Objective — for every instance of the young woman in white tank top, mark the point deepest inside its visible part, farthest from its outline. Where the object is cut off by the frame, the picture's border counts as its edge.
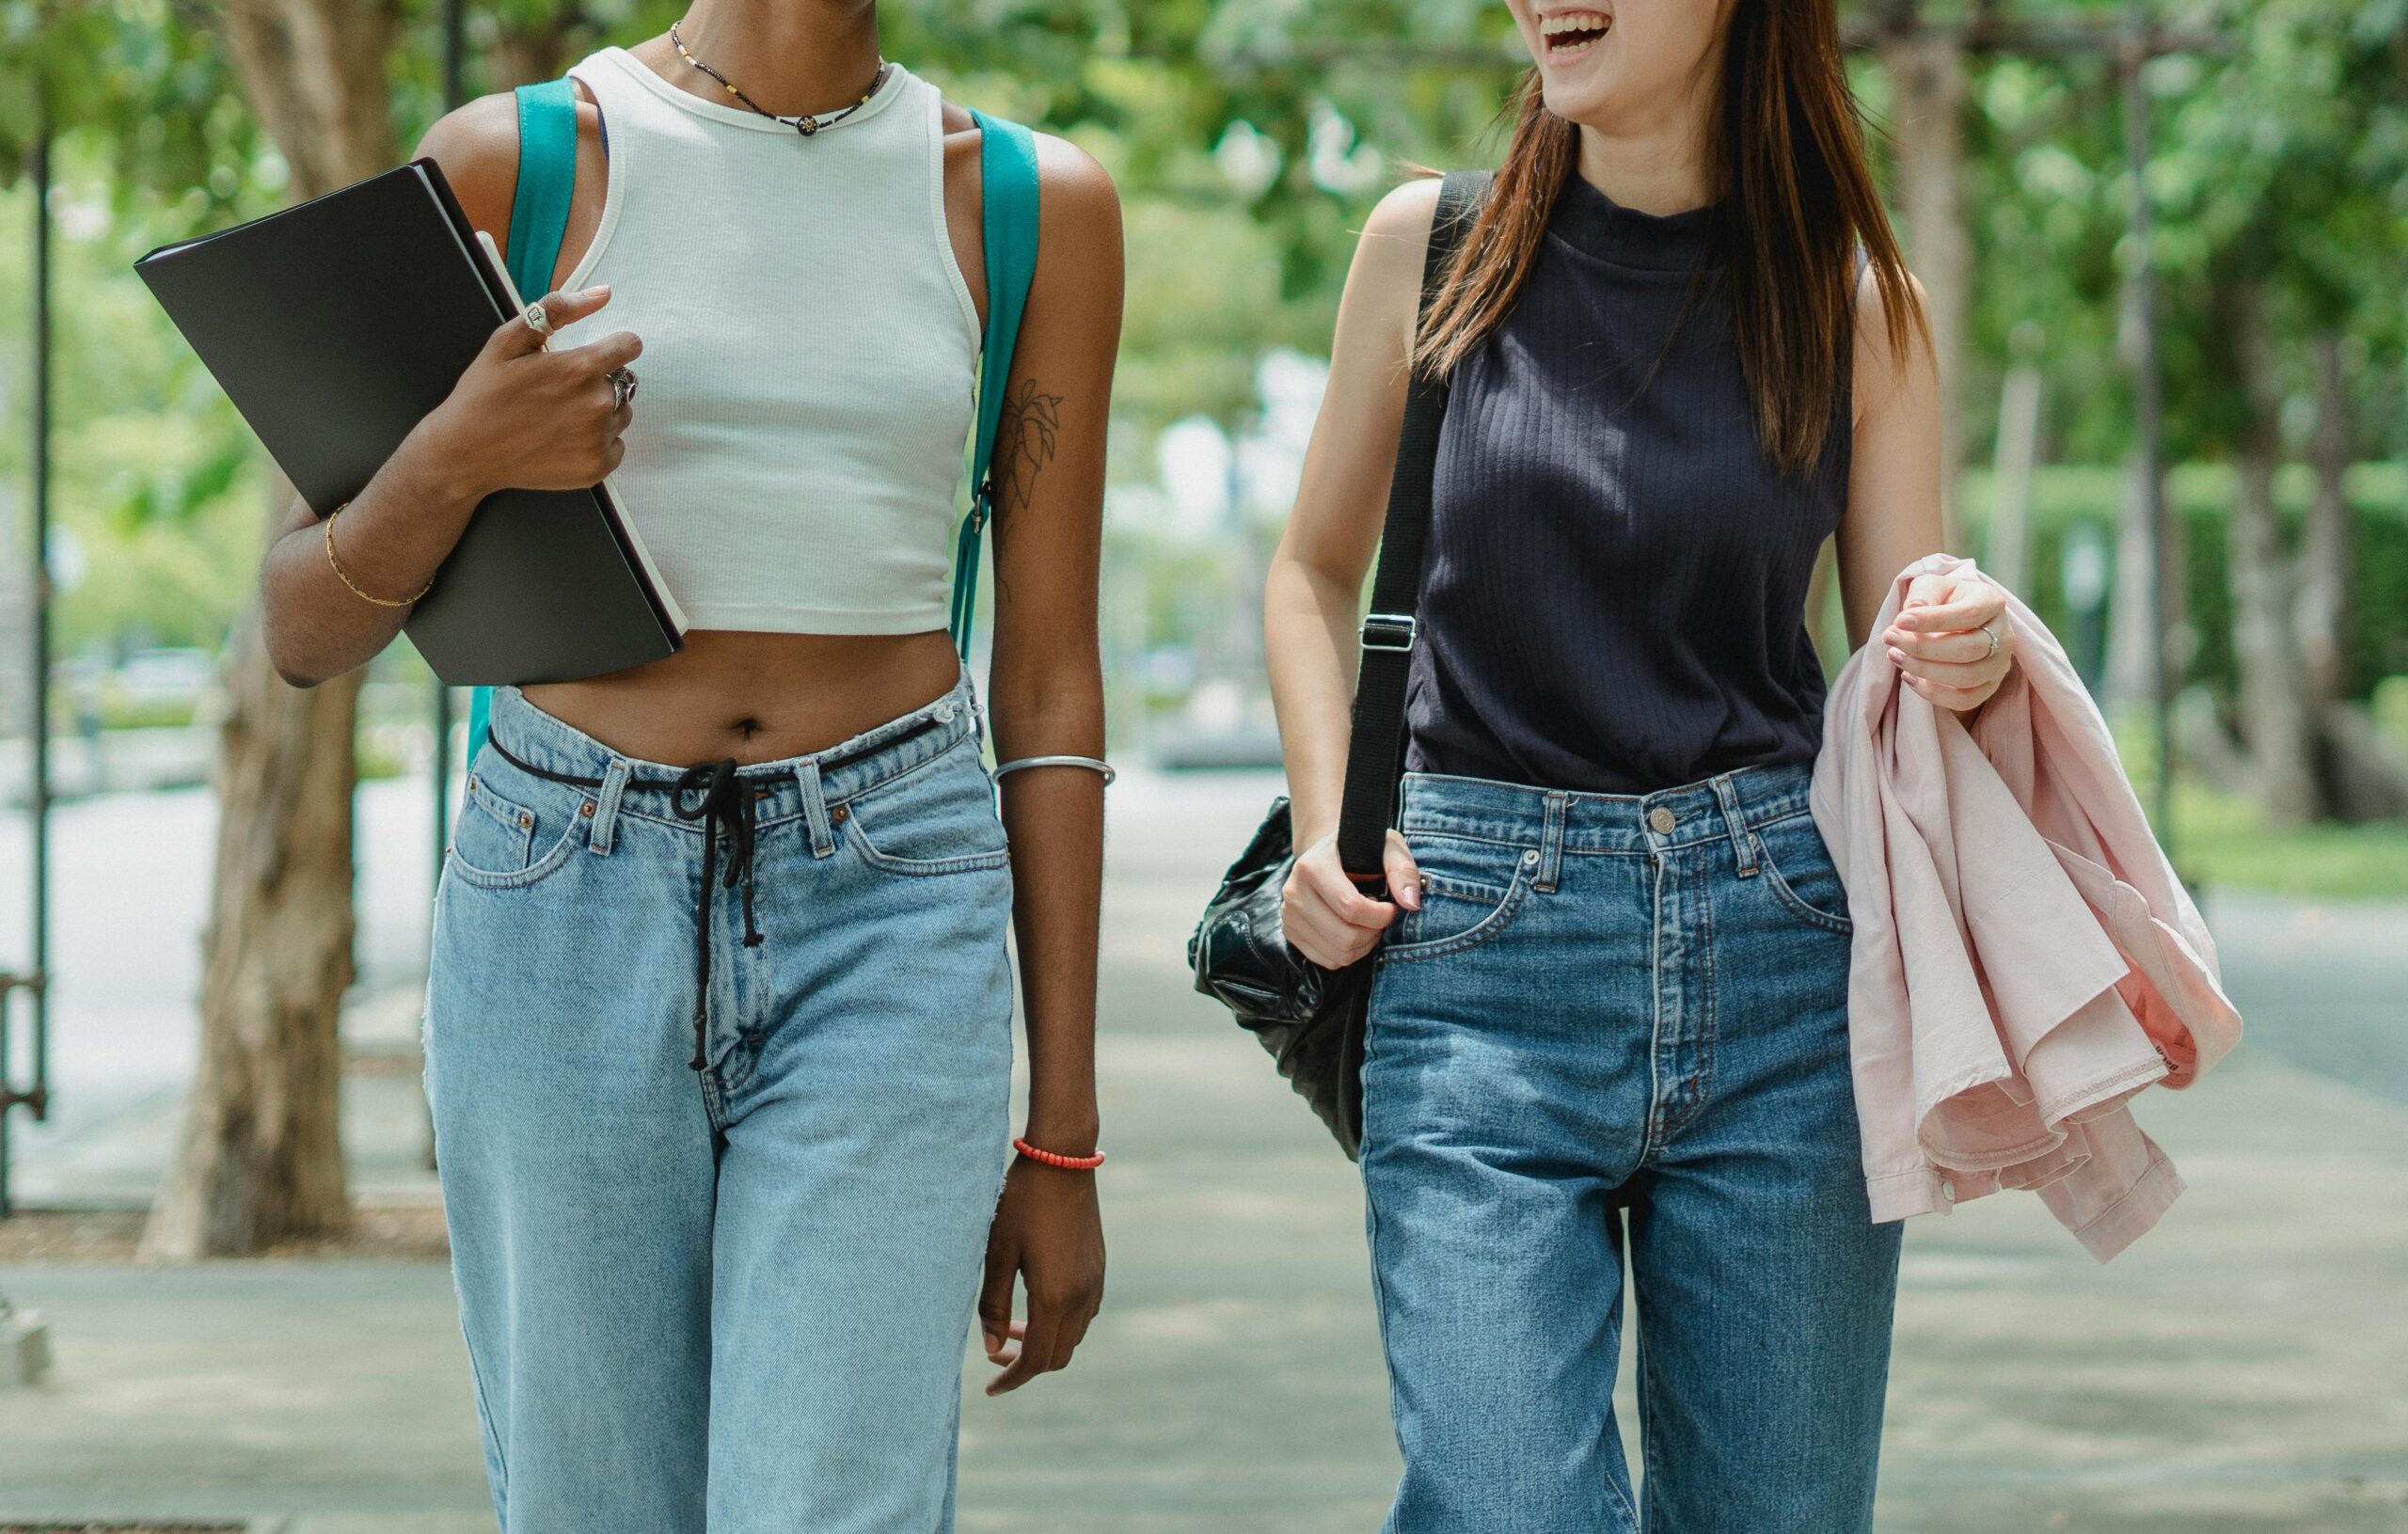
(719, 1013)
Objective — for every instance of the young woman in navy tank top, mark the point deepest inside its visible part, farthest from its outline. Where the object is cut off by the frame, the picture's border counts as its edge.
(720, 1007)
(1608, 1024)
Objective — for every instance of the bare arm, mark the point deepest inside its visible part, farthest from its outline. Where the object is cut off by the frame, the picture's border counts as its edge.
(1047, 700)
(519, 416)
(1313, 596)
(1892, 519)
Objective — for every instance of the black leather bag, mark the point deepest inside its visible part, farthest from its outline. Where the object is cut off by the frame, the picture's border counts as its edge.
(1310, 1018)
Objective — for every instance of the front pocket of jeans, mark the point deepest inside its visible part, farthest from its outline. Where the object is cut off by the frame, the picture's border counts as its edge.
(1814, 869)
(493, 846)
(1471, 891)
(937, 819)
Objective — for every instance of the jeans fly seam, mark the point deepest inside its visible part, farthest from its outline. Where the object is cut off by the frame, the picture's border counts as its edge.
(714, 1100)
(1703, 1031)
(1647, 1143)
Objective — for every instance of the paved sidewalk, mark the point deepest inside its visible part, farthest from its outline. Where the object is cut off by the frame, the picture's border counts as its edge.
(2243, 1370)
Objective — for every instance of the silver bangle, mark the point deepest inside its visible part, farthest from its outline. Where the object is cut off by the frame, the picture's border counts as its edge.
(1091, 763)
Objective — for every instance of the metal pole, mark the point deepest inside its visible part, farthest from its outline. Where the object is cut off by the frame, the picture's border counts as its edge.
(453, 30)
(36, 1096)
(2148, 410)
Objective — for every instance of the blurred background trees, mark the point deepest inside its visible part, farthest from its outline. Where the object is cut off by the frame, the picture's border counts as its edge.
(1249, 138)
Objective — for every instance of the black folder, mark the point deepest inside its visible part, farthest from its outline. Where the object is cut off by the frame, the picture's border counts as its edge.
(335, 325)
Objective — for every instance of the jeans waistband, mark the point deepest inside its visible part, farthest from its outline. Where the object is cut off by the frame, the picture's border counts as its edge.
(1723, 805)
(780, 789)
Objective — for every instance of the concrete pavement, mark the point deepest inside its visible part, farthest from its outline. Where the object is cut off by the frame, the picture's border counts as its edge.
(2244, 1369)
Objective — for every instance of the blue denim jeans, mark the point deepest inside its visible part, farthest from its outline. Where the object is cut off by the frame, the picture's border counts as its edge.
(731, 1299)
(1618, 1027)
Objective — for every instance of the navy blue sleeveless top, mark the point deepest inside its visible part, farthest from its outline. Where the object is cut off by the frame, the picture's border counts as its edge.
(1614, 595)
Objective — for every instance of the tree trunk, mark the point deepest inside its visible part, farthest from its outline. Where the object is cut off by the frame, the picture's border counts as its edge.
(513, 55)
(261, 1157)
(1927, 71)
(2359, 775)
(2322, 612)
(2278, 723)
(2006, 545)
(261, 1153)
(2151, 641)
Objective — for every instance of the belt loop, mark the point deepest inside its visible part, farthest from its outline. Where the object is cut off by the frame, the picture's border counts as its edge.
(1727, 792)
(815, 808)
(1551, 842)
(606, 805)
(968, 688)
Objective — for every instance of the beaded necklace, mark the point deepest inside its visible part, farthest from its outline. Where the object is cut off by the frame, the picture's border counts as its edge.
(806, 125)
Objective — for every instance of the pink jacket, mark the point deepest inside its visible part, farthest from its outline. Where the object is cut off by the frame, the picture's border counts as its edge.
(2024, 960)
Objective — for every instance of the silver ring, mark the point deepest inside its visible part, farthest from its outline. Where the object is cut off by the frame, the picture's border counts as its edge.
(1993, 633)
(537, 320)
(622, 385)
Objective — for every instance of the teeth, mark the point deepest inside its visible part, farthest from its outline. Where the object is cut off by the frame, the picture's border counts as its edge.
(1572, 21)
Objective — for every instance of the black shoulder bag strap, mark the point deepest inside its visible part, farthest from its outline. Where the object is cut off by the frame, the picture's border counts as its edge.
(1375, 748)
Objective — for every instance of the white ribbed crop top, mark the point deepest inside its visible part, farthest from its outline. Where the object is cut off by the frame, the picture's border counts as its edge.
(810, 353)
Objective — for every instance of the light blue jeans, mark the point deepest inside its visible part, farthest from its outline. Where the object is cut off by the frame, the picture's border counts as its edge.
(1619, 1025)
(732, 1299)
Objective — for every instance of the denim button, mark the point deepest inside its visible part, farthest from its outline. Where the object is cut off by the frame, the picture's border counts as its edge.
(1660, 820)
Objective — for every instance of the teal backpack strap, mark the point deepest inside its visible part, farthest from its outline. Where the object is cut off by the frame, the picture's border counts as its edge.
(547, 175)
(1007, 176)
(538, 220)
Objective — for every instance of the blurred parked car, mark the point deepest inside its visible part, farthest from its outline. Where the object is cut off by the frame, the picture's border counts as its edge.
(167, 685)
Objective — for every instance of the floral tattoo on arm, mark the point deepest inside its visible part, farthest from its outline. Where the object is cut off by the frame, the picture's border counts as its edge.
(1025, 438)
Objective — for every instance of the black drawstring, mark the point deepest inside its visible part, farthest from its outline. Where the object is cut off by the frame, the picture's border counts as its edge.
(727, 805)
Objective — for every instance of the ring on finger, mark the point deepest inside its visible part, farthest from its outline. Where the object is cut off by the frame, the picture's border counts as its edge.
(1992, 652)
(537, 320)
(623, 386)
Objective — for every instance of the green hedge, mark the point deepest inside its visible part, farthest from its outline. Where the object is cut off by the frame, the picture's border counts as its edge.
(2064, 496)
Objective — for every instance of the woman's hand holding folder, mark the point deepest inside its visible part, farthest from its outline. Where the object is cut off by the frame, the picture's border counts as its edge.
(522, 415)
(527, 417)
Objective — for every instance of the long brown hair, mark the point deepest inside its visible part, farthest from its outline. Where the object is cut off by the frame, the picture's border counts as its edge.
(1790, 151)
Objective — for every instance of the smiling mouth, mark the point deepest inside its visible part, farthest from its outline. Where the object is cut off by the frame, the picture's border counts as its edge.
(1571, 33)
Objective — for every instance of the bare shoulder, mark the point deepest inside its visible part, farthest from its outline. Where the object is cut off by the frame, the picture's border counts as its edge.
(1406, 214)
(1396, 240)
(1882, 370)
(1079, 243)
(477, 145)
(1078, 205)
(1078, 196)
(1382, 296)
(1873, 306)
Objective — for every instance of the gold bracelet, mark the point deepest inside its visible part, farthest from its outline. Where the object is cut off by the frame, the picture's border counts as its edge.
(345, 578)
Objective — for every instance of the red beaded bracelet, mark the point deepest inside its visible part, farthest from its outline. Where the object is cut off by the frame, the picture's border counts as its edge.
(1067, 1164)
